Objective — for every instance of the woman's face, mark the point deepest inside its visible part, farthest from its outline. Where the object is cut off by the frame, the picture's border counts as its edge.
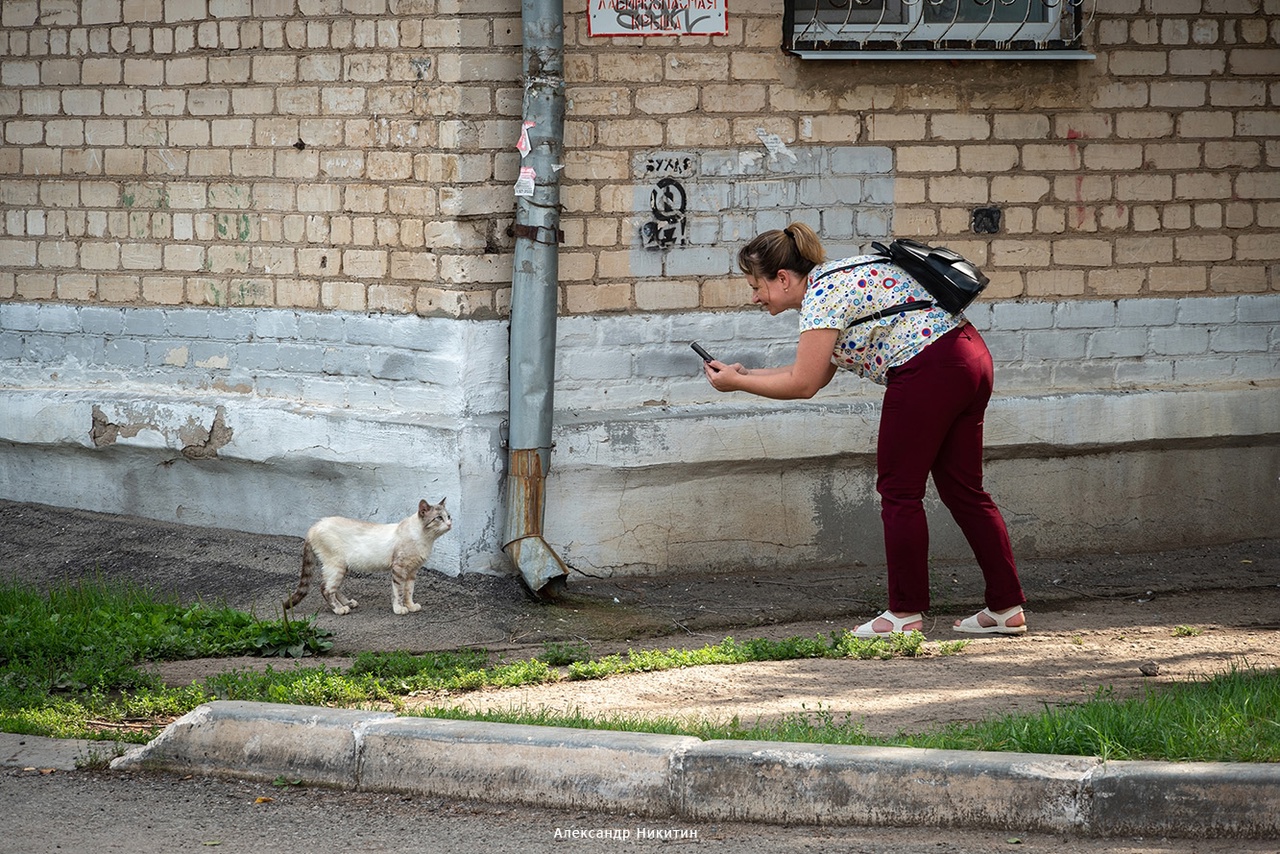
(776, 295)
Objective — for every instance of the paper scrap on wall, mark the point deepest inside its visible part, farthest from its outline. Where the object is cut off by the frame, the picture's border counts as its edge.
(523, 145)
(525, 183)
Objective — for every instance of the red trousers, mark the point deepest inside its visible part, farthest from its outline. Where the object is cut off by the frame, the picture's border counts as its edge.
(931, 423)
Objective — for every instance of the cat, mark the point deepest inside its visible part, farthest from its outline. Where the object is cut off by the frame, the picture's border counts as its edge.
(341, 544)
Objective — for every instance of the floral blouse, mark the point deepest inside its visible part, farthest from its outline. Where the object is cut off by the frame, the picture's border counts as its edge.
(842, 291)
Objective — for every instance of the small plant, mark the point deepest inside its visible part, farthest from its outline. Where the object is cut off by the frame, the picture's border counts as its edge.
(951, 647)
(98, 758)
(1186, 631)
(908, 644)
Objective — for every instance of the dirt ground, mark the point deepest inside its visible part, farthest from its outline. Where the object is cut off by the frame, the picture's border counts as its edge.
(1096, 622)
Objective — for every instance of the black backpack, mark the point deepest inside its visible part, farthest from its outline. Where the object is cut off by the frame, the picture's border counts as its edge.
(948, 277)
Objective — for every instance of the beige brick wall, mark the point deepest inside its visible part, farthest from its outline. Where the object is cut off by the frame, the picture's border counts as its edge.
(361, 155)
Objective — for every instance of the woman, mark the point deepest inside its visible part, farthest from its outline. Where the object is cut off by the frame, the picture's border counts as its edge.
(867, 315)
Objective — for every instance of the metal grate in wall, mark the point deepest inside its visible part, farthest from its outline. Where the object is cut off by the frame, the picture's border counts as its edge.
(937, 29)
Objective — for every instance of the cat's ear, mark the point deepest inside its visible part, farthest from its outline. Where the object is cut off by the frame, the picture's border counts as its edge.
(422, 507)
(442, 501)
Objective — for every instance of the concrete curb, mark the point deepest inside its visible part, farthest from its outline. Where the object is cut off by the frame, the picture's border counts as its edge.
(685, 777)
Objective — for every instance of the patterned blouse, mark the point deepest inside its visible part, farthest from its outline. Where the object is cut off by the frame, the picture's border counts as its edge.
(841, 291)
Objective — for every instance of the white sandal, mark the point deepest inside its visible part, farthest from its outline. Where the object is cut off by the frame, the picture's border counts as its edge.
(971, 625)
(899, 625)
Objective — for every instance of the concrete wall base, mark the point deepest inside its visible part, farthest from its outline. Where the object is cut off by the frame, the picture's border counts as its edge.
(631, 493)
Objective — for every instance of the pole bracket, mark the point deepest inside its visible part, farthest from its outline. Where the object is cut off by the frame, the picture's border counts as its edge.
(531, 232)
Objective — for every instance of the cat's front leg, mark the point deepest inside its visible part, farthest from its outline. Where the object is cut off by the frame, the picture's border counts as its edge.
(404, 604)
(402, 593)
(397, 593)
(408, 592)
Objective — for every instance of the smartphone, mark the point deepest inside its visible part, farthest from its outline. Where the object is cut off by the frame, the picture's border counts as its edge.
(697, 348)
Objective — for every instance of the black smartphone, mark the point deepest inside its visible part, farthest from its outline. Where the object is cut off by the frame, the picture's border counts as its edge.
(697, 348)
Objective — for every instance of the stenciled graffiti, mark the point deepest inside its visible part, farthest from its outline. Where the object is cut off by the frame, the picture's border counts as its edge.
(667, 228)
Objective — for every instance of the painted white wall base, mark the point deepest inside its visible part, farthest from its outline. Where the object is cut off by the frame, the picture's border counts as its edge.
(708, 487)
(1117, 426)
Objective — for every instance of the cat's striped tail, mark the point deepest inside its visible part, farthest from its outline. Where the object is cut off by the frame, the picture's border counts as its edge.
(304, 580)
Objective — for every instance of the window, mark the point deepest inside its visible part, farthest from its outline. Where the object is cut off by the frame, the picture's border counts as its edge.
(937, 29)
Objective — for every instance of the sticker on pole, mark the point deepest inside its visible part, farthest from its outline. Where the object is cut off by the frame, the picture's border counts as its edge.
(523, 145)
(657, 18)
(525, 183)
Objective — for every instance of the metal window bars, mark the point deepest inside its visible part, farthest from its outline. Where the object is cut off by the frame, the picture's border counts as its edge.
(937, 29)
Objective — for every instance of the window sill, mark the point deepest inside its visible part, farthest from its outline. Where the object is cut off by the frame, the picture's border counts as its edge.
(924, 55)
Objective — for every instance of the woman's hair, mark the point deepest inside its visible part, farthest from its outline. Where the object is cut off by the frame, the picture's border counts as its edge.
(796, 248)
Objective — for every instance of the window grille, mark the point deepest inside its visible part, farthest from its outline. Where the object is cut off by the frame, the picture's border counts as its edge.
(937, 29)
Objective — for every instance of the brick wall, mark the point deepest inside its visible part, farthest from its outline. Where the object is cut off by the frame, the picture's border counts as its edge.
(287, 220)
(359, 155)
(405, 366)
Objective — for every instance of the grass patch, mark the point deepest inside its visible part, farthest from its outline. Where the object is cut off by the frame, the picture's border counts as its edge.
(1231, 717)
(390, 677)
(72, 665)
(1227, 718)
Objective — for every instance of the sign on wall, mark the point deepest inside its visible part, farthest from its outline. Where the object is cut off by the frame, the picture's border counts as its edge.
(657, 17)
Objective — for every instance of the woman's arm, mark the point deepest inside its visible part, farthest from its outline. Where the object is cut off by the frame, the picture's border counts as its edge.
(802, 379)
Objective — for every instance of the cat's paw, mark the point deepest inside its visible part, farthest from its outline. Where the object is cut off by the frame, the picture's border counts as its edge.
(397, 608)
(351, 603)
(414, 606)
(341, 609)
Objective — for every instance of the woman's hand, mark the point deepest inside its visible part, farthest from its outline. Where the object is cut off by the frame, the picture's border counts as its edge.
(723, 377)
(800, 380)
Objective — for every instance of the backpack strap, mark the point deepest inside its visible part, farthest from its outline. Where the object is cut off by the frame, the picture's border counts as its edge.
(913, 305)
(910, 305)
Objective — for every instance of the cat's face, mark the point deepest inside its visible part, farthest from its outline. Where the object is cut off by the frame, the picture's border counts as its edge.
(434, 517)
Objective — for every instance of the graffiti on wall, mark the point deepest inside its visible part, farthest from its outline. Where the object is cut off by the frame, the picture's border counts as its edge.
(657, 17)
(668, 199)
(694, 208)
(668, 205)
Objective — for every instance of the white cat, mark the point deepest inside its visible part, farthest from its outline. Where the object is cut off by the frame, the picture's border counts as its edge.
(342, 544)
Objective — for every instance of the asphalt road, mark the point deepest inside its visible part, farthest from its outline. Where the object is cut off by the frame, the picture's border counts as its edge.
(98, 812)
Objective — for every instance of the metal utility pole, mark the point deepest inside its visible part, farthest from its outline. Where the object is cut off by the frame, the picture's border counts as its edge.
(534, 297)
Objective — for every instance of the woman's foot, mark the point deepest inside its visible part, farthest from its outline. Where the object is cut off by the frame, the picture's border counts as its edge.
(987, 622)
(890, 623)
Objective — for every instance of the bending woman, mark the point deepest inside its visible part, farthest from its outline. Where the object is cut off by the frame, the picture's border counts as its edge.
(867, 315)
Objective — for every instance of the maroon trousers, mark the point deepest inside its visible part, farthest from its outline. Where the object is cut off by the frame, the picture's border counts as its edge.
(931, 423)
